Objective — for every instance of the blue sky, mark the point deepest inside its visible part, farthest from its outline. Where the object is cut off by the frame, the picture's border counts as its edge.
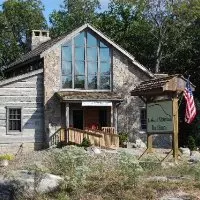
(51, 5)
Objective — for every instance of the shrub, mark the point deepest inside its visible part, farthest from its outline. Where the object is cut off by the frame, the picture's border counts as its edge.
(191, 143)
(71, 163)
(6, 157)
(86, 143)
(123, 137)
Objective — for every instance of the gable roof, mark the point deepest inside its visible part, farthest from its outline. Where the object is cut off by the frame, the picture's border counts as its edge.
(44, 47)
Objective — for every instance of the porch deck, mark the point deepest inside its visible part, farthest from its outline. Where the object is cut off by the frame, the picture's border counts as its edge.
(99, 138)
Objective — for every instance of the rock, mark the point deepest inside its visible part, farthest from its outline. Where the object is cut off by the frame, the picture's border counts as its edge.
(167, 165)
(185, 151)
(195, 156)
(157, 178)
(26, 182)
(94, 150)
(139, 144)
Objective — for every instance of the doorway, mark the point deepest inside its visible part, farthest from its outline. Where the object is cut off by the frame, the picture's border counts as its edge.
(78, 119)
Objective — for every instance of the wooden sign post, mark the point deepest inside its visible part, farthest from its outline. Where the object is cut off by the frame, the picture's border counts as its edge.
(161, 96)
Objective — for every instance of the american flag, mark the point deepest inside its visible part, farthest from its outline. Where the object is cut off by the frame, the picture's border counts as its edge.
(190, 111)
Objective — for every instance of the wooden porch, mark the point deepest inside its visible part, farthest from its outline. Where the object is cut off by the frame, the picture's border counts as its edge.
(105, 138)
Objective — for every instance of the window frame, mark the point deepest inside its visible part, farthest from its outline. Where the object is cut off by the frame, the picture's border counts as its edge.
(142, 109)
(13, 132)
(87, 75)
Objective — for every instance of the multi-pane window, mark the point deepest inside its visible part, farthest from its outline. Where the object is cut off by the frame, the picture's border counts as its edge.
(86, 63)
(14, 119)
(143, 119)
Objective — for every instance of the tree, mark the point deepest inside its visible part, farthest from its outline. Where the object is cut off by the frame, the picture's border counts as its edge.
(73, 14)
(125, 24)
(17, 20)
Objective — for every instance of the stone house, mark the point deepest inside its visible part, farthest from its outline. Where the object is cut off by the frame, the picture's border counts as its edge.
(79, 80)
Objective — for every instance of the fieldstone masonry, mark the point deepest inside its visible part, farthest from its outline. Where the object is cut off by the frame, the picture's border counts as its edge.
(125, 77)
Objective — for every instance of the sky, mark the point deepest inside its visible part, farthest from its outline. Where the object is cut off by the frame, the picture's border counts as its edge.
(51, 5)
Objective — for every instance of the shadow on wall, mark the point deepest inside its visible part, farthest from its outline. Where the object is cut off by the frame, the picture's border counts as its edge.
(35, 123)
(53, 117)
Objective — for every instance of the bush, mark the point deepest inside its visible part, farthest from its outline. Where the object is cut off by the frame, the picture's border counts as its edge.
(71, 163)
(191, 143)
(6, 157)
(86, 143)
(123, 137)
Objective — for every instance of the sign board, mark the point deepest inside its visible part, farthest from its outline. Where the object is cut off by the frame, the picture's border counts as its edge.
(160, 117)
(96, 103)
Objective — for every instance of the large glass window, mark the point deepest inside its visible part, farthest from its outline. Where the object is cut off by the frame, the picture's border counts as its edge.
(86, 63)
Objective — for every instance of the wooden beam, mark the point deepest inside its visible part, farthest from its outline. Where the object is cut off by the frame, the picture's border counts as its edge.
(175, 133)
(67, 115)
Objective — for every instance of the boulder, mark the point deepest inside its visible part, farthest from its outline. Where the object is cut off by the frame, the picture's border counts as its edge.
(139, 144)
(195, 156)
(94, 150)
(185, 151)
(26, 183)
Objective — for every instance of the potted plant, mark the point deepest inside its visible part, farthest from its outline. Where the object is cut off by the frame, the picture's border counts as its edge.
(5, 158)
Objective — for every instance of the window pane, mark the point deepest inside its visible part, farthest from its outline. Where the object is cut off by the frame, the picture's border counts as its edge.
(79, 53)
(92, 82)
(14, 119)
(66, 68)
(91, 40)
(79, 40)
(143, 119)
(67, 53)
(92, 54)
(105, 68)
(80, 68)
(103, 45)
(79, 81)
(104, 54)
(67, 81)
(92, 68)
(105, 82)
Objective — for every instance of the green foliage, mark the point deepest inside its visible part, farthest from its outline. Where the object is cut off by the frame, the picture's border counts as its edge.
(123, 137)
(86, 142)
(7, 157)
(17, 19)
(130, 168)
(73, 14)
(70, 162)
(191, 143)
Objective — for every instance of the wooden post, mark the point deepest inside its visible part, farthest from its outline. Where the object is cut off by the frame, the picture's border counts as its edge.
(67, 115)
(112, 115)
(175, 132)
(149, 143)
(115, 117)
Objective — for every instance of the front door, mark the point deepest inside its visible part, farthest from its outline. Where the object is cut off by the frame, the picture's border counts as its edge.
(78, 119)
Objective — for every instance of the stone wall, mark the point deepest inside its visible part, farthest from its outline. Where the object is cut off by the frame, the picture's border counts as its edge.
(52, 81)
(125, 77)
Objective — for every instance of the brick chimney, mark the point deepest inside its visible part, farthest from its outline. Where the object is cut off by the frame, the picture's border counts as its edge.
(39, 37)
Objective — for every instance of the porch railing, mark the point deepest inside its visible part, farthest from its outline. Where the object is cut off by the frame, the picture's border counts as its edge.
(75, 136)
(57, 137)
(110, 130)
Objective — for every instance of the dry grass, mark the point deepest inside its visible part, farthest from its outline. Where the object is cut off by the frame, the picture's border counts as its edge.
(112, 176)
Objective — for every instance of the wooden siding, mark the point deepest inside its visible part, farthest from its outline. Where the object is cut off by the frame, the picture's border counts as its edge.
(27, 93)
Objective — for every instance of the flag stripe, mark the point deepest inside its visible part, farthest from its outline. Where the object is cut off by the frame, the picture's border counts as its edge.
(190, 112)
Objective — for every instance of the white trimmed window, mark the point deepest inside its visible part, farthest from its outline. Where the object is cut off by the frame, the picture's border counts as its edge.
(14, 119)
(143, 119)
